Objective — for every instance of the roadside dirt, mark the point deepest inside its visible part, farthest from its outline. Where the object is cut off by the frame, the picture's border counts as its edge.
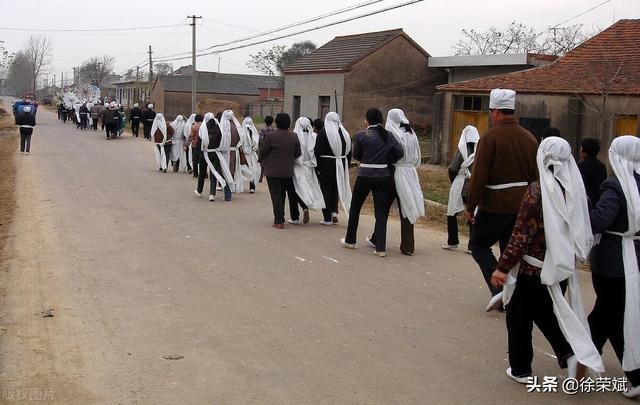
(8, 147)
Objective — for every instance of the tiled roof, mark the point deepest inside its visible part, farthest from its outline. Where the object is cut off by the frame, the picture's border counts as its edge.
(608, 61)
(223, 83)
(341, 52)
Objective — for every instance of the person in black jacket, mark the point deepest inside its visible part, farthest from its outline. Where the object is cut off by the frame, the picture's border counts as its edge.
(134, 116)
(26, 120)
(84, 116)
(148, 116)
(375, 148)
(593, 171)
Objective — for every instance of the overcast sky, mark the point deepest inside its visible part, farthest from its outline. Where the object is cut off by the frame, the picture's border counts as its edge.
(434, 24)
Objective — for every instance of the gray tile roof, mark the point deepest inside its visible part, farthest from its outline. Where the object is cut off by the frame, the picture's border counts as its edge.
(223, 83)
(341, 52)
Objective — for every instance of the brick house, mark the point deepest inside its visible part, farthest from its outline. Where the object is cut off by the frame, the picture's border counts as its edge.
(592, 91)
(350, 74)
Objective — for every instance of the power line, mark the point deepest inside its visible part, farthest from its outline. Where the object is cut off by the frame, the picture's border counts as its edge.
(279, 29)
(580, 15)
(88, 29)
(299, 32)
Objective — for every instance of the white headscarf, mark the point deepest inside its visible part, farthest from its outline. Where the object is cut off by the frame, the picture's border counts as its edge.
(178, 126)
(331, 126)
(567, 231)
(250, 149)
(161, 124)
(225, 178)
(249, 126)
(469, 134)
(405, 175)
(186, 130)
(225, 125)
(304, 138)
(305, 179)
(624, 155)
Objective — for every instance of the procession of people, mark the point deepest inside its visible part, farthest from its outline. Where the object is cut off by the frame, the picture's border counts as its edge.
(546, 212)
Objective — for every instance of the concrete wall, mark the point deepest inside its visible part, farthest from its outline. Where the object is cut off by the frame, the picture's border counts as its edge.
(309, 87)
(395, 76)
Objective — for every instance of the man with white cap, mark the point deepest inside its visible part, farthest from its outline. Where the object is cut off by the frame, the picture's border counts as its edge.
(148, 116)
(614, 260)
(552, 230)
(134, 116)
(504, 165)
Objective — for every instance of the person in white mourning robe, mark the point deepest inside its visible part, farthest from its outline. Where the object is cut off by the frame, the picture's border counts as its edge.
(177, 149)
(250, 149)
(552, 229)
(162, 137)
(305, 180)
(186, 133)
(408, 192)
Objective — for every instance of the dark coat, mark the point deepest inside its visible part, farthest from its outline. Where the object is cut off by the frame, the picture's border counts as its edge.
(610, 214)
(593, 172)
(326, 167)
(278, 151)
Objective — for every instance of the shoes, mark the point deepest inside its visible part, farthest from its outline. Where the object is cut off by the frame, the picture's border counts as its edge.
(164, 171)
(575, 369)
(21, 152)
(305, 217)
(278, 226)
(252, 191)
(160, 169)
(381, 254)
(27, 153)
(211, 197)
(334, 218)
(495, 303)
(521, 380)
(446, 246)
(467, 251)
(190, 171)
(632, 392)
(294, 221)
(369, 243)
(218, 188)
(407, 253)
(327, 223)
(348, 245)
(196, 193)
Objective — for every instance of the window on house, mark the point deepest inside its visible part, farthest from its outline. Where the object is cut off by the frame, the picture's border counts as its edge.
(471, 103)
(296, 107)
(324, 106)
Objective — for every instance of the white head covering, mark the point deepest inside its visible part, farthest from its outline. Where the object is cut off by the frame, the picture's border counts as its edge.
(303, 123)
(178, 125)
(624, 155)
(331, 126)
(249, 127)
(502, 99)
(469, 134)
(187, 126)
(135, 105)
(225, 124)
(113, 104)
(567, 231)
(159, 123)
(150, 106)
(227, 179)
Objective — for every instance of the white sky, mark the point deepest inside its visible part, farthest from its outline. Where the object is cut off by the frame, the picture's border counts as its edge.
(434, 24)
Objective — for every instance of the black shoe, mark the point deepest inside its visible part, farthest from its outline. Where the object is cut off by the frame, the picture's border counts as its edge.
(160, 169)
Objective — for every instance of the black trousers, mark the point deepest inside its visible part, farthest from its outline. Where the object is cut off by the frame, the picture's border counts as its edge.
(112, 130)
(202, 175)
(135, 126)
(407, 240)
(25, 139)
(83, 120)
(294, 200)
(167, 152)
(146, 128)
(278, 188)
(197, 156)
(488, 229)
(531, 303)
(186, 156)
(452, 229)
(329, 188)
(382, 190)
(606, 320)
(95, 123)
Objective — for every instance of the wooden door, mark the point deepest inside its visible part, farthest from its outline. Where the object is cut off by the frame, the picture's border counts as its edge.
(627, 125)
(461, 119)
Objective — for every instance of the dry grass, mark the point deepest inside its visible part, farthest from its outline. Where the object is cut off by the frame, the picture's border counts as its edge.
(8, 146)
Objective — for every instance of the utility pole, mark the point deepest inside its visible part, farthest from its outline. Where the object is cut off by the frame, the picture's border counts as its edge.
(150, 65)
(62, 80)
(137, 73)
(194, 72)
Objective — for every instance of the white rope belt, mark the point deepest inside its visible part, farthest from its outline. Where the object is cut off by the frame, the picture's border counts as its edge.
(620, 234)
(533, 261)
(332, 157)
(373, 166)
(506, 185)
(25, 126)
(233, 149)
(135, 117)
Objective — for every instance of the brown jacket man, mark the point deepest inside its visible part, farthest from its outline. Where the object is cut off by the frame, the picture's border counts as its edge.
(278, 151)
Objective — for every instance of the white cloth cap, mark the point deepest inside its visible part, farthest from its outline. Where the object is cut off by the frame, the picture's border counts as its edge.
(150, 106)
(135, 105)
(502, 99)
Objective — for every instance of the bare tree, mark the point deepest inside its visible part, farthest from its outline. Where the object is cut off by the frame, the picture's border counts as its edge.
(38, 53)
(273, 61)
(6, 59)
(163, 68)
(96, 69)
(19, 74)
(519, 38)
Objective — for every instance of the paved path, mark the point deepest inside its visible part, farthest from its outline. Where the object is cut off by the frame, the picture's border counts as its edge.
(137, 268)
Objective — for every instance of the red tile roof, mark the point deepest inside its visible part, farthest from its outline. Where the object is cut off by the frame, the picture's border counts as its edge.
(609, 61)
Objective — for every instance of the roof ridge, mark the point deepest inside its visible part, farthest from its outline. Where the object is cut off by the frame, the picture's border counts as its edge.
(397, 30)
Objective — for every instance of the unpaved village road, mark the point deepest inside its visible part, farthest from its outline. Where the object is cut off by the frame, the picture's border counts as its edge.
(136, 268)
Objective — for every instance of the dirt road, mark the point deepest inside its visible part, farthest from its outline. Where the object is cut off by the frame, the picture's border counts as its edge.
(136, 268)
